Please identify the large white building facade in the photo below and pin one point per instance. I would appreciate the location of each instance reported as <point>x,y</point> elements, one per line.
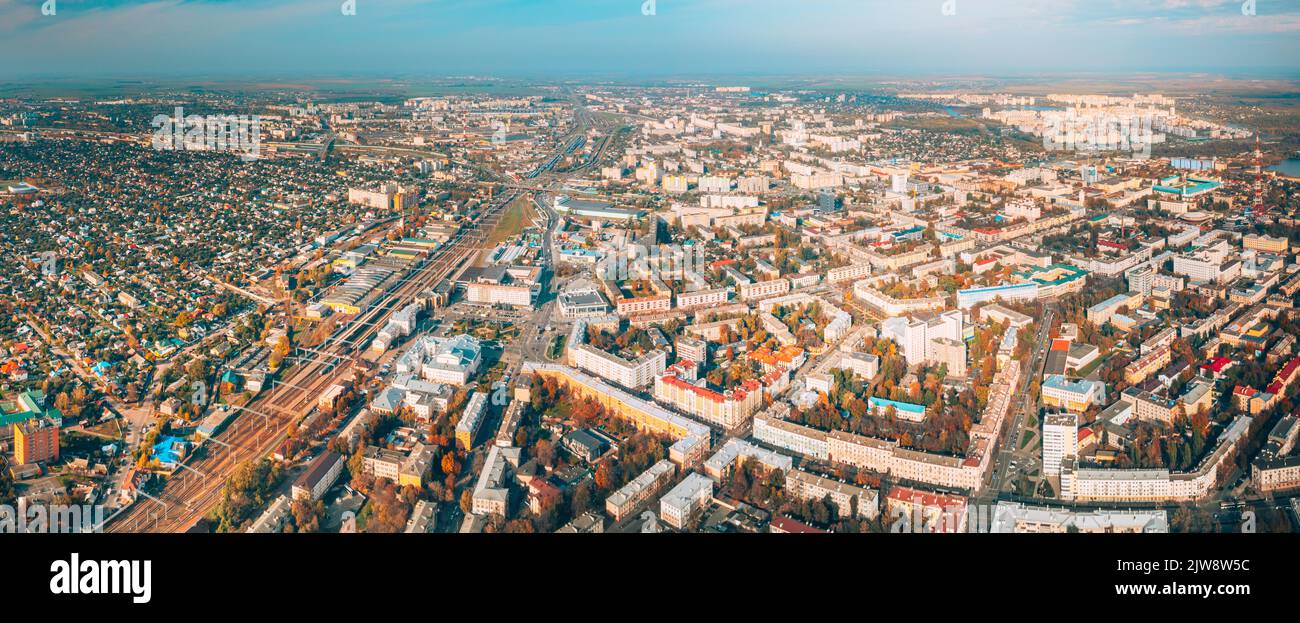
<point>452,360</point>
<point>914,335</point>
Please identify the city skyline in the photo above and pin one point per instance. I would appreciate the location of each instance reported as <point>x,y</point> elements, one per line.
<point>453,275</point>
<point>524,38</point>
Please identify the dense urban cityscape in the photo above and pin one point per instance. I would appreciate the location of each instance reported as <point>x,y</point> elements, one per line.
<point>678,307</point>
<point>545,298</point>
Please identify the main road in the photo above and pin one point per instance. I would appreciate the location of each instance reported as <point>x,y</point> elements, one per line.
<point>259,427</point>
<point>1026,407</point>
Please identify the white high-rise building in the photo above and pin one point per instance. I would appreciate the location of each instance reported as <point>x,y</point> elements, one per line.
<point>1209,264</point>
<point>714,184</point>
<point>898,182</point>
<point>913,336</point>
<point>1060,441</point>
<point>1140,278</point>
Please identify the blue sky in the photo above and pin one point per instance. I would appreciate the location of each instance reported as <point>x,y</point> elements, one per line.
<point>611,38</point>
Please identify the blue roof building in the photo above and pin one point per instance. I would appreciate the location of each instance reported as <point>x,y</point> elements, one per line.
<point>905,410</point>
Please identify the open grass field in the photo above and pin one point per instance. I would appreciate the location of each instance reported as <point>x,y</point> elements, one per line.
<point>518,217</point>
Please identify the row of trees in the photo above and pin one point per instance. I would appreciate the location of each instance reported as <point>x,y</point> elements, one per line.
<point>943,430</point>
<point>250,488</point>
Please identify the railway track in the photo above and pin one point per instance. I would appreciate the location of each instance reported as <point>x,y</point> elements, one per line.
<point>266,422</point>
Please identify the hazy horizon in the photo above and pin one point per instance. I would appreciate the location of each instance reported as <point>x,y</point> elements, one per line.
<point>612,39</point>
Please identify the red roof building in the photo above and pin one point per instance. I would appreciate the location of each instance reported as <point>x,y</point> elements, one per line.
<point>1217,365</point>
<point>785,525</point>
<point>1284,377</point>
<point>930,512</point>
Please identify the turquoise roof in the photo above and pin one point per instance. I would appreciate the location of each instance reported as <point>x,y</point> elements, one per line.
<point>881,403</point>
